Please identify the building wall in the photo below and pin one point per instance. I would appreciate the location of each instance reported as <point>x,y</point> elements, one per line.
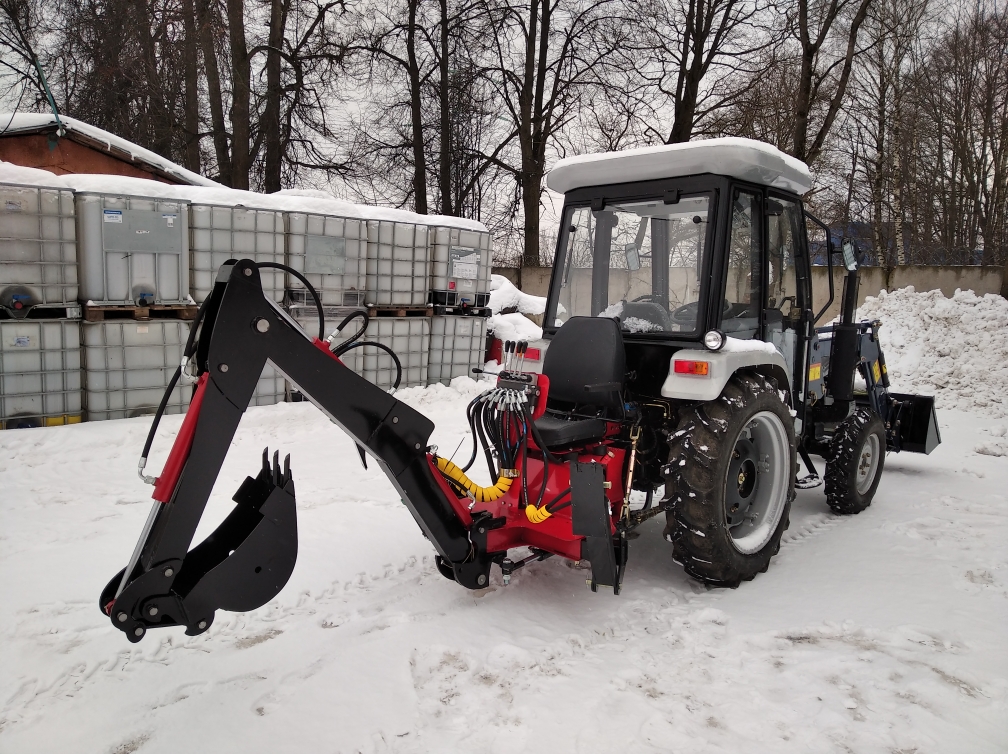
<point>33,151</point>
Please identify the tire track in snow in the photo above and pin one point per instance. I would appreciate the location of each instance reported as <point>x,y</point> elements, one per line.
<point>64,627</point>
<point>810,527</point>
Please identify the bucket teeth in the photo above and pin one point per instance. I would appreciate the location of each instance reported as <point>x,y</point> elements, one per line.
<point>280,476</point>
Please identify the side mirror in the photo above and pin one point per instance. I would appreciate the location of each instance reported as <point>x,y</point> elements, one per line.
<point>632,257</point>
<point>849,255</point>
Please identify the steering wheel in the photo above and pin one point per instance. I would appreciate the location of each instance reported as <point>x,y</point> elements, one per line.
<point>687,314</point>
<point>647,297</point>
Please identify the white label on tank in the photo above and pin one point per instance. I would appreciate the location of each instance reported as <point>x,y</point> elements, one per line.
<point>170,219</point>
<point>142,328</point>
<point>13,206</point>
<point>112,216</point>
<point>466,285</point>
<point>464,328</point>
<point>22,341</point>
<point>465,262</point>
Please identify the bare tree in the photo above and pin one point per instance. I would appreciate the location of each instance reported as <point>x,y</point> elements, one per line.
<point>703,53</point>
<point>823,77</point>
<point>544,57</point>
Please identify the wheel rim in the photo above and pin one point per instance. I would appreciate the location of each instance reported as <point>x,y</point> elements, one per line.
<point>757,483</point>
<point>867,464</point>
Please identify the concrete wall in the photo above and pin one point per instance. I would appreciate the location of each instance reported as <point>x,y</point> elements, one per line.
<point>980,280</point>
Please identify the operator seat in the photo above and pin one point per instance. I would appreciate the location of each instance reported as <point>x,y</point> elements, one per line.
<point>586,366</point>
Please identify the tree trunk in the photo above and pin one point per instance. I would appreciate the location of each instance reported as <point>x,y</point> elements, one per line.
<point>803,107</point>
<point>416,116</point>
<point>220,136</point>
<point>531,185</point>
<point>445,186</point>
<point>241,75</point>
<point>685,112</point>
<point>158,119</point>
<point>191,73</point>
<point>528,132</point>
<point>271,116</point>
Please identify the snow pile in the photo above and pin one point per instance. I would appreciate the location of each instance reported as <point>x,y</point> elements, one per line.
<point>461,391</point>
<point>613,311</point>
<point>505,296</point>
<point>509,307</point>
<point>514,326</point>
<point>18,174</point>
<point>953,348</point>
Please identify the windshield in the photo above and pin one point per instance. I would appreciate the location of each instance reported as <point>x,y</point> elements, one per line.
<point>637,261</point>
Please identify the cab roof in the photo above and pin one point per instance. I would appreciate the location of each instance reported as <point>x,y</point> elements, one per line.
<point>746,159</point>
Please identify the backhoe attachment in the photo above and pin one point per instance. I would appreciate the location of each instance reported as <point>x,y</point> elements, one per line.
<point>248,559</point>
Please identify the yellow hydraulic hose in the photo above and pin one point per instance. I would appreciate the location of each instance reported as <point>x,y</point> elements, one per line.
<point>536,515</point>
<point>480,494</point>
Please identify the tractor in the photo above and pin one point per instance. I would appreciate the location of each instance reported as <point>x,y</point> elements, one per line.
<point>683,363</point>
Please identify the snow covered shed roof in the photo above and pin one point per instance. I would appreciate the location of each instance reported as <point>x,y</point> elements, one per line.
<point>745,159</point>
<point>143,161</point>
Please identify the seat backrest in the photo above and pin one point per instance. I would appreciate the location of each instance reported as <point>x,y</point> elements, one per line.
<point>586,351</point>
<point>653,316</point>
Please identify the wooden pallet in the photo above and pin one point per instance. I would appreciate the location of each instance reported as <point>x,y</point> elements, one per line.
<point>401,311</point>
<point>103,313</point>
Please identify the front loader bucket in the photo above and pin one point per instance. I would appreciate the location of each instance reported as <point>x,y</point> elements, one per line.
<point>242,565</point>
<point>917,423</point>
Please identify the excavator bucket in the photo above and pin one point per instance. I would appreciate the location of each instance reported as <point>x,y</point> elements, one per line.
<point>242,565</point>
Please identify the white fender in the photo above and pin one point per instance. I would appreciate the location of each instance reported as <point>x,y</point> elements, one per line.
<point>736,354</point>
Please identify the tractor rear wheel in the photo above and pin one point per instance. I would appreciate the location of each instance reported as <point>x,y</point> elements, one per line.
<point>731,478</point>
<point>854,466</point>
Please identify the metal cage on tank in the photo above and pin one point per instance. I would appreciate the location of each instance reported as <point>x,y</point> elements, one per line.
<point>40,373</point>
<point>398,264</point>
<point>128,364</point>
<point>219,233</point>
<point>457,345</point>
<point>331,252</point>
<point>38,249</point>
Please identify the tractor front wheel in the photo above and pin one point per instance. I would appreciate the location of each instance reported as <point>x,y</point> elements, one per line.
<point>731,478</point>
<point>854,466</point>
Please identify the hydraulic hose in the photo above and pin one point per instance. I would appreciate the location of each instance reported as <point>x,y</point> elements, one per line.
<point>309,286</point>
<point>480,494</point>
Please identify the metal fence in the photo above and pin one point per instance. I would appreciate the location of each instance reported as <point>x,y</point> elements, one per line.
<point>920,256</point>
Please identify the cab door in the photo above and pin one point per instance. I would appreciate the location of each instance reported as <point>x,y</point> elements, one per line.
<point>787,285</point>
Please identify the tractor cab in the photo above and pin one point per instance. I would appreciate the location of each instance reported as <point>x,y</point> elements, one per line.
<point>685,246</point>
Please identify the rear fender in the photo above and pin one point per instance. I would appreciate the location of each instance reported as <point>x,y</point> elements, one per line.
<point>721,365</point>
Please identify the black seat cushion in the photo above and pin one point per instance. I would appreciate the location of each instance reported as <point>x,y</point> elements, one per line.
<point>586,351</point>
<point>556,432</point>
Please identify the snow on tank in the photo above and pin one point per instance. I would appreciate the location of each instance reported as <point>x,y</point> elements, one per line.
<point>746,159</point>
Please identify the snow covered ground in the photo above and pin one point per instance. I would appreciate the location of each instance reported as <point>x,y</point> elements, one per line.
<point>883,632</point>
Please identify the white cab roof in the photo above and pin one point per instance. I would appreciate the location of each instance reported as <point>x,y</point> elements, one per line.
<point>745,159</point>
